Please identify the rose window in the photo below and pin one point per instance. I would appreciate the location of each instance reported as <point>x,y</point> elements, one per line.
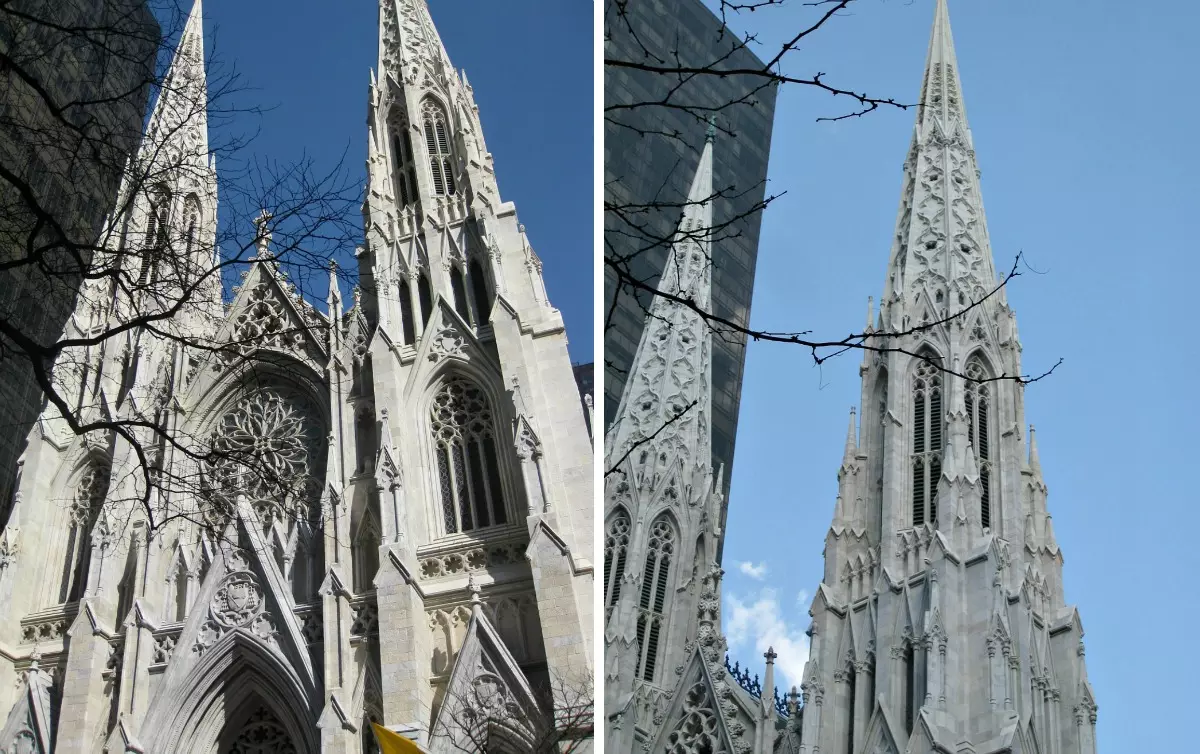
<point>265,448</point>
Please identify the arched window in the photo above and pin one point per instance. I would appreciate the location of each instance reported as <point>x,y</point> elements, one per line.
<point>459,289</point>
<point>191,222</point>
<point>90,490</point>
<point>927,438</point>
<point>616,548</point>
<point>426,297</point>
<point>156,232</point>
<point>437,143</point>
<point>660,549</point>
<point>402,160</point>
<point>468,466</point>
<point>406,314</point>
<point>910,686</point>
<point>978,400</point>
<point>366,553</point>
<point>479,288</point>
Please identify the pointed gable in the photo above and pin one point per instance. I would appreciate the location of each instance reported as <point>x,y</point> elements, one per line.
<point>695,719</point>
<point>28,726</point>
<point>267,315</point>
<point>486,691</point>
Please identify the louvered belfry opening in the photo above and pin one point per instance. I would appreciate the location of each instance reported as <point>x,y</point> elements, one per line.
<point>406,314</point>
<point>437,144</point>
<point>978,402</point>
<point>928,423</point>
<point>651,607</point>
<point>616,550</point>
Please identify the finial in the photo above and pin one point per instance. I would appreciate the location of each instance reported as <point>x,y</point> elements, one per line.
<point>473,588</point>
<point>870,310</point>
<point>1035,463</point>
<point>770,655</point>
<point>712,128</point>
<point>262,232</point>
<point>851,435</point>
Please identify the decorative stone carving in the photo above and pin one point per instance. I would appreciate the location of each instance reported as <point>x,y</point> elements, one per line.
<point>448,342</point>
<point>262,733</point>
<point>265,323</point>
<point>164,647</point>
<point>474,558</point>
<point>365,618</point>
<point>266,447</point>
<point>697,731</point>
<point>237,603</point>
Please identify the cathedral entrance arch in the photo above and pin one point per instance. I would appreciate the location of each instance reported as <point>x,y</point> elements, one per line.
<point>241,698</point>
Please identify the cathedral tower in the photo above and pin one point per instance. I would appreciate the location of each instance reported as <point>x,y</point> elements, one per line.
<point>662,502</point>
<point>940,622</point>
<point>410,543</point>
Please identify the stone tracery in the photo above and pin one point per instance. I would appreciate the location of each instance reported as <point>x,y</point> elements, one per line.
<point>267,448</point>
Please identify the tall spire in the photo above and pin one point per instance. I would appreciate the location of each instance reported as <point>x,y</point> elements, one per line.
<point>181,111</point>
<point>941,258</point>
<point>669,391</point>
<point>408,39</point>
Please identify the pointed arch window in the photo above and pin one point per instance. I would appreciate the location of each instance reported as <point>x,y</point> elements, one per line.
<point>479,289</point>
<point>616,549</point>
<point>366,553</point>
<point>191,222</point>
<point>156,232</point>
<point>406,314</point>
<point>426,296</point>
<point>928,424</point>
<point>437,144</point>
<point>979,403</point>
<point>90,489</point>
<point>459,289</point>
<point>656,582</point>
<point>404,166</point>
<point>464,436</point>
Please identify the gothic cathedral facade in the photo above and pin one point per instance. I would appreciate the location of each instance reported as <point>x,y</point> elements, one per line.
<point>423,542</point>
<point>940,624</point>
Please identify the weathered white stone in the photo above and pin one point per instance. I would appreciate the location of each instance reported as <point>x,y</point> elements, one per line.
<point>940,623</point>
<point>300,613</point>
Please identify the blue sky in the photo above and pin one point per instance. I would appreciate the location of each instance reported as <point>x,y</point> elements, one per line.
<point>1085,136</point>
<point>529,62</point>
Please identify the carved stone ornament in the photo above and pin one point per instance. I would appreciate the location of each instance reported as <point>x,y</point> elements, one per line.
<point>237,603</point>
<point>446,343</point>
<point>698,730</point>
<point>264,322</point>
<point>262,733</point>
<point>264,447</point>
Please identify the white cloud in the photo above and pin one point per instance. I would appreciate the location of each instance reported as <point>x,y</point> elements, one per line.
<point>755,626</point>
<point>756,571</point>
<point>803,598</point>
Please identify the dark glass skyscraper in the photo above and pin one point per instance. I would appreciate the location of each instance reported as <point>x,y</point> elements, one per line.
<point>72,106</point>
<point>650,155</point>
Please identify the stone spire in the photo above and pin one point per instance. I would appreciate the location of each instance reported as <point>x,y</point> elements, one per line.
<point>941,258</point>
<point>181,112</point>
<point>669,390</point>
<point>408,40</point>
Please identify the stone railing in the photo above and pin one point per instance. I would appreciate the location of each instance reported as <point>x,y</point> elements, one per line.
<point>312,622</point>
<point>165,640</point>
<point>459,558</point>
<point>364,615</point>
<point>48,625</point>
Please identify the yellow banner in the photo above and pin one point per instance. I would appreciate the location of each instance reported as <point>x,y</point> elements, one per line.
<point>394,743</point>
